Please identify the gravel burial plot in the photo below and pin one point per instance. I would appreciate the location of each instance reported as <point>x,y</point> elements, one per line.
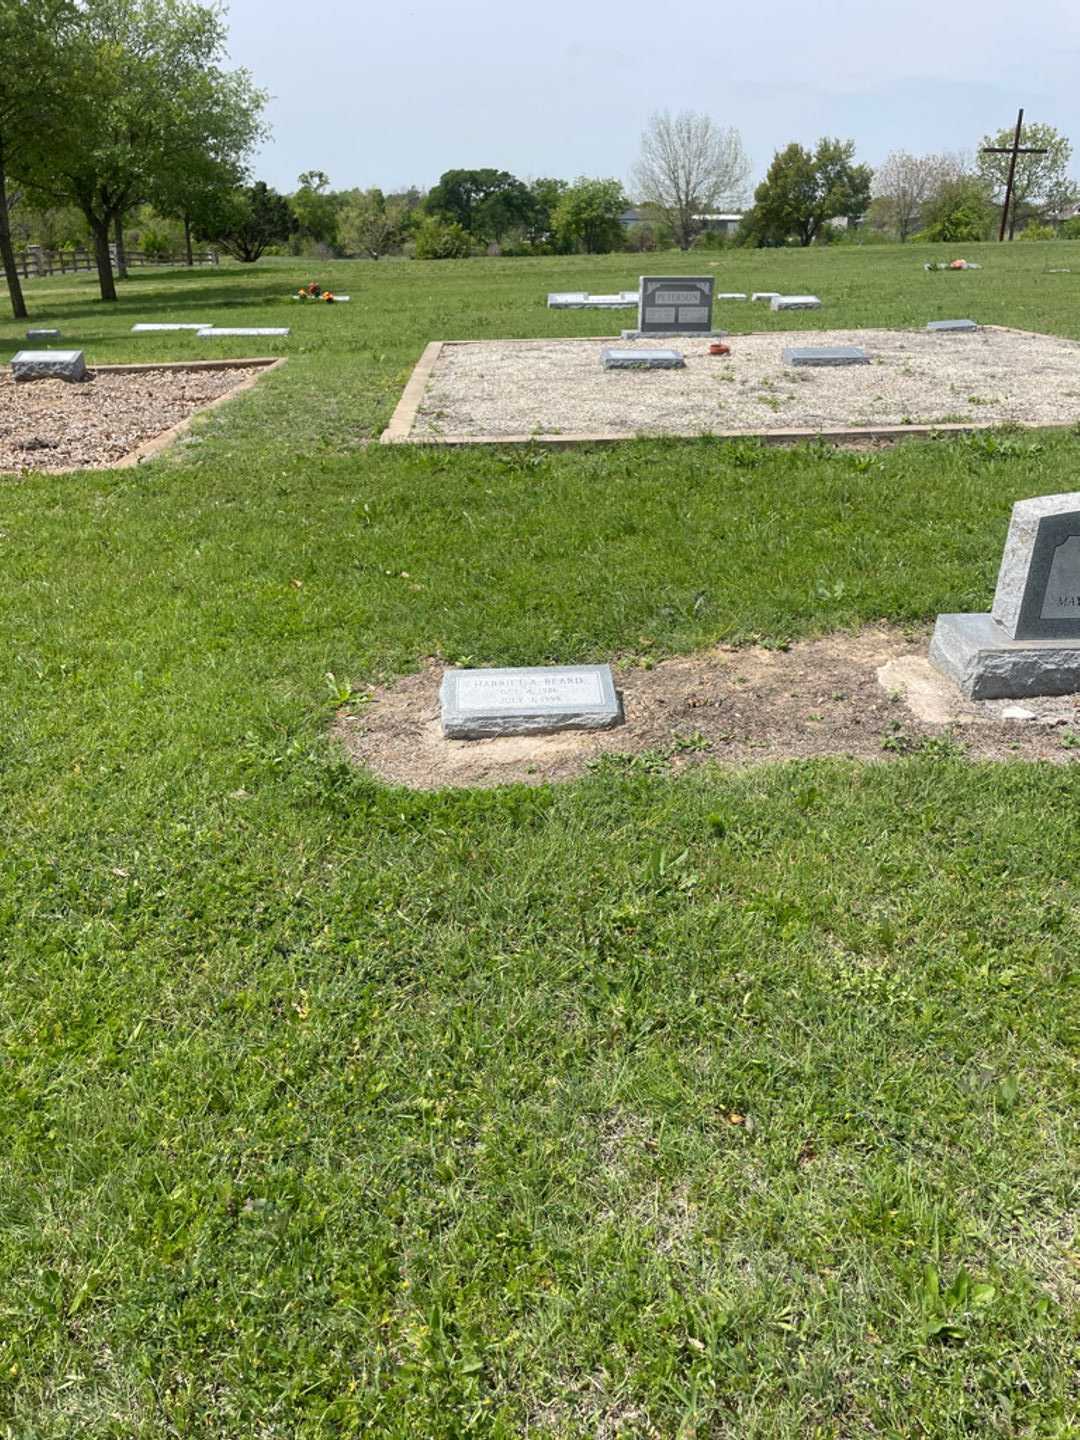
<point>55,425</point>
<point>559,387</point>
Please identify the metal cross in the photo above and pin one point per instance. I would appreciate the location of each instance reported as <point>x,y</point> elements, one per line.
<point>1014,150</point>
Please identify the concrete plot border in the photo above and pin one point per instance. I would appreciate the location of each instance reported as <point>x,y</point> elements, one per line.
<point>398,431</point>
<point>158,443</point>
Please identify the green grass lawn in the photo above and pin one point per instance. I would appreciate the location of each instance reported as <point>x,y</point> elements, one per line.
<point>719,1105</point>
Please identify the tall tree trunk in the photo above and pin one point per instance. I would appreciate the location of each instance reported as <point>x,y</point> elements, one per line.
<point>100,231</point>
<point>121,254</point>
<point>187,240</point>
<point>7,252</point>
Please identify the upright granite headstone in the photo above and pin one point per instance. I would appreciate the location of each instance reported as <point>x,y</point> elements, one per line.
<point>675,305</point>
<point>49,365</point>
<point>1030,643</point>
<point>480,704</point>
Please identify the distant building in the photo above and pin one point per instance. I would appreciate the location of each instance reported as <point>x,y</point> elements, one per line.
<point>725,224</point>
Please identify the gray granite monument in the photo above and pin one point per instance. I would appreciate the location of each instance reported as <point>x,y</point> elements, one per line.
<point>825,355</point>
<point>49,365</point>
<point>481,704</point>
<point>1029,644</point>
<point>675,305</point>
<point>642,359</point>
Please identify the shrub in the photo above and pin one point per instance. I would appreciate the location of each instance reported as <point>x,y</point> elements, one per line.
<point>442,240</point>
<point>1071,229</point>
<point>1035,231</point>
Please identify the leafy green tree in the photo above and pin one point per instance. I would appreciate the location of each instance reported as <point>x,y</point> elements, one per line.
<point>316,209</point>
<point>802,192</point>
<point>440,239</point>
<point>370,224</point>
<point>245,221</point>
<point>959,211</point>
<point>33,70</point>
<point>126,122</point>
<point>545,195</point>
<point>587,216</point>
<point>222,119</point>
<point>486,203</point>
<point>1037,177</point>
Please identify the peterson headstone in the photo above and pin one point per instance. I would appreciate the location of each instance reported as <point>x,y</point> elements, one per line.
<point>49,365</point>
<point>675,305</point>
<point>642,360</point>
<point>1030,642</point>
<point>825,355</point>
<point>481,704</point>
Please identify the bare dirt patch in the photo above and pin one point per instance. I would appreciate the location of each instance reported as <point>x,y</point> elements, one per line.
<point>514,389</point>
<point>56,425</point>
<point>868,696</point>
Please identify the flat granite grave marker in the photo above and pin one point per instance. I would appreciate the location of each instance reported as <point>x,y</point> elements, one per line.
<point>1030,642</point>
<point>825,355</point>
<point>795,302</point>
<point>731,295</point>
<point>947,326</point>
<point>154,329</point>
<point>212,332</point>
<point>765,295</point>
<point>642,359</point>
<point>675,305</point>
<point>43,334</point>
<point>583,300</point>
<point>49,365</point>
<point>480,704</point>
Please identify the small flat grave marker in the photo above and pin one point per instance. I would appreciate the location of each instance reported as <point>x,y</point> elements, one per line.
<point>582,300</point>
<point>765,295</point>
<point>1030,642</point>
<point>825,355</point>
<point>642,360</point>
<point>730,295</point>
<point>479,704</point>
<point>795,302</point>
<point>675,305</point>
<point>49,365</point>
<point>212,332</point>
<point>952,326</point>
<point>43,334</point>
<point>155,329</point>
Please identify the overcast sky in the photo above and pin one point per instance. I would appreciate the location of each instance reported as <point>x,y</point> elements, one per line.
<point>394,94</point>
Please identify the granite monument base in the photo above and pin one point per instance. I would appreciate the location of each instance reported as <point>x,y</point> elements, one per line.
<point>987,665</point>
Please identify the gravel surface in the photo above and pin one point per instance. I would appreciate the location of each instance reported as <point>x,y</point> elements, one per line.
<point>553,387</point>
<point>54,425</point>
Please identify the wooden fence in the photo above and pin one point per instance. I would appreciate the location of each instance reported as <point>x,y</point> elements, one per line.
<point>35,260</point>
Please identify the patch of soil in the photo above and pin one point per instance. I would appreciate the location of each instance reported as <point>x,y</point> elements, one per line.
<point>60,425</point>
<point>870,696</point>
